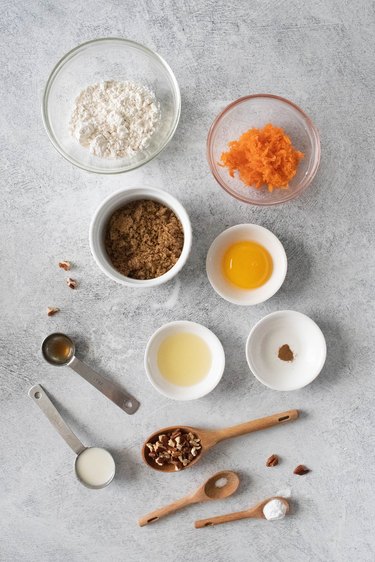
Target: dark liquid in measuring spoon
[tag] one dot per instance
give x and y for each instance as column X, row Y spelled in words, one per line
column 59, row 349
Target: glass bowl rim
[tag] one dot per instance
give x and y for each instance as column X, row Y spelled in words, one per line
column 66, row 58
column 306, row 180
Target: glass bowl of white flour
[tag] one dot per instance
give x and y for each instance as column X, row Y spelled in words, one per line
column 111, row 105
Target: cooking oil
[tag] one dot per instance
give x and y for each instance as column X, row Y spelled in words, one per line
column 184, row 359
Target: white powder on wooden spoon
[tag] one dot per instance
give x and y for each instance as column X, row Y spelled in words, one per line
column 274, row 510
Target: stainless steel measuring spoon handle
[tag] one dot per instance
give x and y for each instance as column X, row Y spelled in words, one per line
column 39, row 396
column 125, row 401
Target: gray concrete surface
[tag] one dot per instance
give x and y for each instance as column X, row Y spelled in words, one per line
column 319, row 54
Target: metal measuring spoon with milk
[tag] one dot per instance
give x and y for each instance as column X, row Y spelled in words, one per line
column 94, row 466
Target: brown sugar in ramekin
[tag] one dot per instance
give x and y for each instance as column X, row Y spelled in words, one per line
column 144, row 239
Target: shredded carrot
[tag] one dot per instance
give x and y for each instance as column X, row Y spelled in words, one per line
column 263, row 157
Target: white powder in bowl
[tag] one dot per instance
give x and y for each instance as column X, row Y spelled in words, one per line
column 114, row 119
column 274, row 510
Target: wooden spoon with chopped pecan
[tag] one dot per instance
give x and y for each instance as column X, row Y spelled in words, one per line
column 173, row 449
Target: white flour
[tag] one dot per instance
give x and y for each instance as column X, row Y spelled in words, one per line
column 274, row 510
column 114, row 119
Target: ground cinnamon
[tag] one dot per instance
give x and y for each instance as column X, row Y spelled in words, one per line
column 285, row 353
column 144, row 239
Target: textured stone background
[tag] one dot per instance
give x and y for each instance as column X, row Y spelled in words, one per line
column 320, row 54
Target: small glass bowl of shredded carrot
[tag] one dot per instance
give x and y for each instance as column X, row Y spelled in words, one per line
column 270, row 161
column 263, row 157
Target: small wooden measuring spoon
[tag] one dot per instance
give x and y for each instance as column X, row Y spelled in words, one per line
column 255, row 512
column 210, row 438
column 219, row 486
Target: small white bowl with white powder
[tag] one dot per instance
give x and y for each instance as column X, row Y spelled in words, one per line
column 111, row 105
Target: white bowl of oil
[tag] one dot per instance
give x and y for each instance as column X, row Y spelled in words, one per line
column 184, row 360
column 246, row 264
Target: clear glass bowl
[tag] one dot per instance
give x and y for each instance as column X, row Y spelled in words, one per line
column 108, row 59
column 257, row 111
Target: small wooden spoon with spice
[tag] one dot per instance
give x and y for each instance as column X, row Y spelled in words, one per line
column 255, row 512
column 219, row 486
column 205, row 438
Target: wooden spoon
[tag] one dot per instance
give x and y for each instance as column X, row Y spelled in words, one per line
column 211, row 438
column 210, row 490
column 255, row 512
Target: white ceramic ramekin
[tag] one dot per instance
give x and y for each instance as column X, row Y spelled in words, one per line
column 119, row 199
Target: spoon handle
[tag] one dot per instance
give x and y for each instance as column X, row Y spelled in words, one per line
column 39, row 396
column 223, row 519
column 122, row 399
column 166, row 510
column 255, row 425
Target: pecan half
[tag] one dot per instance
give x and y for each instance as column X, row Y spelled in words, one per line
column 301, row 469
column 273, row 460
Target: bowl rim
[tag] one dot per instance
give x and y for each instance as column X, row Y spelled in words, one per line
column 275, row 314
column 280, row 250
column 56, row 69
column 306, row 180
column 162, row 196
column 180, row 323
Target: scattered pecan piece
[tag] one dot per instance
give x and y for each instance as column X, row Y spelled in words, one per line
column 273, row 460
column 301, row 469
column 51, row 310
column 66, row 265
column 72, row 283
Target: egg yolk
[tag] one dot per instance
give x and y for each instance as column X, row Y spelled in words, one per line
column 247, row 265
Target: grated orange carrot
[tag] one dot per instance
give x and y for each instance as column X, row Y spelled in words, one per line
column 263, row 157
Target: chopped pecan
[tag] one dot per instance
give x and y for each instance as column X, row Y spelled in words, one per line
column 177, row 448
column 51, row 310
column 72, row 283
column 66, row 265
column 301, row 469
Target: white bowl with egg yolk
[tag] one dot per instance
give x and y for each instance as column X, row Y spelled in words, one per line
column 246, row 233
